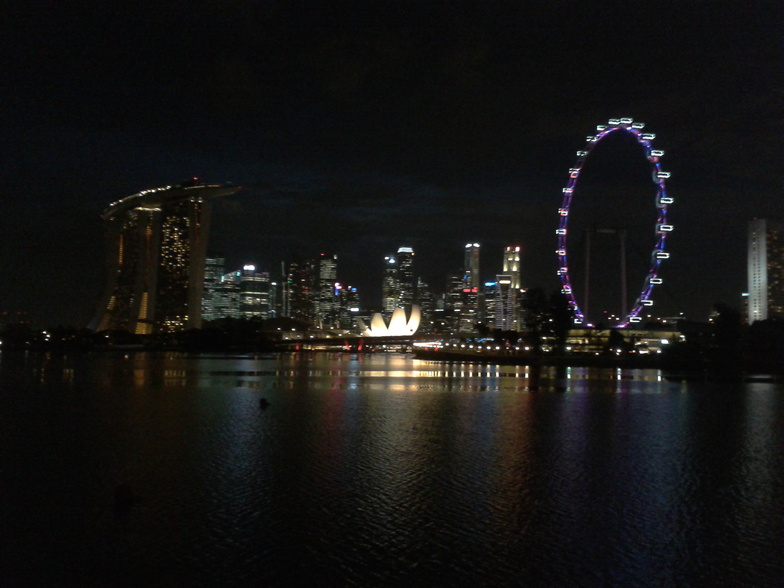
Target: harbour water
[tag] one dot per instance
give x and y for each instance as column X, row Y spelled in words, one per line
column 383, row 470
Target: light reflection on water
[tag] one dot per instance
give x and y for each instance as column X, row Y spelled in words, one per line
column 383, row 470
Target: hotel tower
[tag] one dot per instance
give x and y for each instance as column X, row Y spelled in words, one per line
column 156, row 250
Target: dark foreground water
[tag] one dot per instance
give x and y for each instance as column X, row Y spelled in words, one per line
column 383, row 471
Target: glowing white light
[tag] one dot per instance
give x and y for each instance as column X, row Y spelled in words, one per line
column 666, row 200
column 647, row 302
column 648, row 136
column 665, row 228
column 655, row 280
column 249, row 268
column 626, row 121
column 614, row 121
column 398, row 326
column 657, row 152
column 662, row 255
column 560, row 231
column 638, row 125
column 663, row 175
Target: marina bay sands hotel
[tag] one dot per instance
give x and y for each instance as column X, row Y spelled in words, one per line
column 156, row 250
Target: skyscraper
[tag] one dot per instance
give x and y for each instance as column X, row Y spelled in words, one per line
column 406, row 286
column 326, row 295
column 512, row 265
column 389, row 285
column 505, row 304
column 765, row 270
column 157, row 244
column 301, row 290
column 254, row 293
column 215, row 267
column 471, row 265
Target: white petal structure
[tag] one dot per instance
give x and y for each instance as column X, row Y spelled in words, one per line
column 398, row 326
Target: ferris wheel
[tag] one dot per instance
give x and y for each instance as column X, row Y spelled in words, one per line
column 615, row 125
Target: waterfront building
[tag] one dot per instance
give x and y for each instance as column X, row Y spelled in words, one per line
column 765, row 270
column 471, row 266
column 156, row 251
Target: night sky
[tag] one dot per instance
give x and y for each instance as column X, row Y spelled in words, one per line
column 360, row 127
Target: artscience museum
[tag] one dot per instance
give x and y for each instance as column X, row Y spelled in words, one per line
column 398, row 325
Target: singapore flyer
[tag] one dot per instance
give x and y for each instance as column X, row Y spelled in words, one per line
column 653, row 259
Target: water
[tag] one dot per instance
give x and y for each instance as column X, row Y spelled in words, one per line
column 383, row 471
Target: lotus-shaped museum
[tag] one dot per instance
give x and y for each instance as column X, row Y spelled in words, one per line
column 398, row 325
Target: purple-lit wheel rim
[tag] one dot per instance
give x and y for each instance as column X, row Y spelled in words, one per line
column 662, row 228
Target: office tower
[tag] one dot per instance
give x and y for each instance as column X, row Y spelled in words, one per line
column 469, row 312
column 406, row 286
column 348, row 306
column 454, row 303
column 427, row 305
column 226, row 297
column 471, row 265
column 254, row 293
column 765, row 270
column 389, row 291
column 301, row 290
column 487, row 305
column 505, row 303
column 215, row 267
column 157, row 244
column 512, row 265
column 326, row 297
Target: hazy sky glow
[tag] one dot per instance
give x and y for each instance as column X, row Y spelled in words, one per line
column 363, row 126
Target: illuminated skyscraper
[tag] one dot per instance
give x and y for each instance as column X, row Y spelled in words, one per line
column 326, row 295
column 389, row 285
column 765, row 270
column 512, row 265
column 406, row 286
column 254, row 293
column 214, row 269
column 471, row 265
column 301, row 291
column 157, row 244
column 505, row 304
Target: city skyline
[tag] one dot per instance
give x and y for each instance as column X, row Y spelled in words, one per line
column 356, row 128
